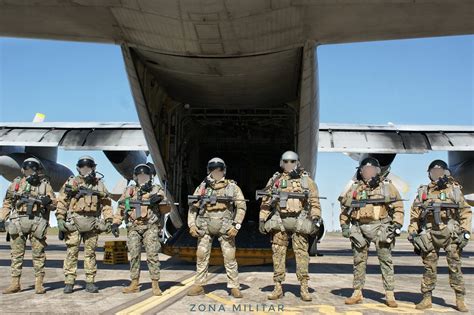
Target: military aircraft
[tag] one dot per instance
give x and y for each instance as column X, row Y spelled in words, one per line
column 238, row 79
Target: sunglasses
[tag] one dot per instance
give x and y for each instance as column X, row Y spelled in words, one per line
column 289, row 161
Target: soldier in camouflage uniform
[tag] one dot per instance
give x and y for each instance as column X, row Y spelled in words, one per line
column 81, row 202
column 143, row 207
column 372, row 211
column 449, row 229
column 282, row 222
column 223, row 218
column 28, row 202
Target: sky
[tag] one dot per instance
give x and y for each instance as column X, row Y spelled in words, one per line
column 416, row 81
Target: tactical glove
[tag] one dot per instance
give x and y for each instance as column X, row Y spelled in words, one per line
column 232, row 232
column 346, row 231
column 193, row 230
column 155, row 199
column 62, row 225
column 2, row 226
column 115, row 230
column 45, row 200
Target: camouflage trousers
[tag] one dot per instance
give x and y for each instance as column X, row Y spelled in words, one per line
column 73, row 241
column 18, row 245
column 280, row 241
column 384, row 253
column 203, row 254
column 147, row 237
column 430, row 262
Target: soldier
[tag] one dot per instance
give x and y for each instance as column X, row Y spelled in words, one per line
column 290, row 208
column 28, row 202
column 143, row 207
column 440, row 218
column 81, row 202
column 217, row 210
column 372, row 211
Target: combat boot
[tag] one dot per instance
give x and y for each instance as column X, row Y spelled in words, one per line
column 390, row 299
column 460, row 304
column 304, row 293
column 39, row 289
column 196, row 290
column 425, row 303
column 155, row 287
column 14, row 286
column 355, row 298
column 91, row 287
column 277, row 292
column 235, row 292
column 68, row 288
column 134, row 287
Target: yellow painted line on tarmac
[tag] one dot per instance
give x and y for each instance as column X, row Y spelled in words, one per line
column 154, row 301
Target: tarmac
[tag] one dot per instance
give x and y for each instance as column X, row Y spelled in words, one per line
column 330, row 282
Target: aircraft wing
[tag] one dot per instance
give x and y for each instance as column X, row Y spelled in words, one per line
column 348, row 138
column 233, row 28
column 75, row 136
column 394, row 138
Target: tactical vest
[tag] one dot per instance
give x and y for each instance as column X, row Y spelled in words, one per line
column 298, row 185
column 370, row 212
column 148, row 214
column 451, row 194
column 21, row 188
column 227, row 190
column 88, row 204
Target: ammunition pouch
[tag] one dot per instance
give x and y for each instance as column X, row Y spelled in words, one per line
column 357, row 238
column 304, row 225
column 153, row 219
column 23, row 225
column 423, row 242
column 274, row 224
column 101, row 226
column 278, row 224
column 215, row 222
column 13, row 227
column 69, row 225
column 386, row 234
column 84, row 223
column 376, row 231
column 441, row 237
column 292, row 224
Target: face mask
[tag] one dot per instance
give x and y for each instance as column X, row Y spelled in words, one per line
column 373, row 182
column 294, row 174
column 90, row 178
column 442, row 182
column 33, row 179
column 146, row 187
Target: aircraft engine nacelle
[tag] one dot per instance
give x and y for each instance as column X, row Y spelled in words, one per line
column 125, row 161
column 461, row 164
column 10, row 168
